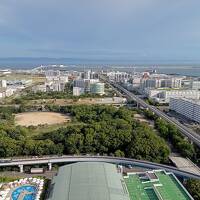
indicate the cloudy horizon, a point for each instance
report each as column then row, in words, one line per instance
column 110, row 29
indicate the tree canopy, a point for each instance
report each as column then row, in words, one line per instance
column 103, row 130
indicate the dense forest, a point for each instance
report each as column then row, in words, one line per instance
column 103, row 129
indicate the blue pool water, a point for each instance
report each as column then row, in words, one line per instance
column 29, row 190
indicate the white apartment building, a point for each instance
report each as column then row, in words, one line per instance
column 39, row 88
column 158, row 82
column 84, row 83
column 59, row 86
column 55, row 86
column 119, row 76
column 64, row 79
column 187, row 107
column 79, row 83
column 9, row 92
column 3, row 83
column 195, row 85
column 164, row 95
column 150, row 83
column 77, row 91
column 6, row 92
column 52, row 73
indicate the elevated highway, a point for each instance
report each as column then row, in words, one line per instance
column 116, row 160
column 194, row 137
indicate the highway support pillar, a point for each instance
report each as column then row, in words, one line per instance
column 50, row 166
column 21, row 168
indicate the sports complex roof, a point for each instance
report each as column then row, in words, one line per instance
column 103, row 181
column 155, row 185
column 88, row 181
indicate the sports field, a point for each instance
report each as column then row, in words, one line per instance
column 167, row 189
column 171, row 188
column 40, row 118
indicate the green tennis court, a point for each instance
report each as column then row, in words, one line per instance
column 171, row 189
column 166, row 188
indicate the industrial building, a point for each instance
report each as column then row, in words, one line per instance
column 104, row 181
column 187, row 107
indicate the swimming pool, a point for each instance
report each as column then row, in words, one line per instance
column 26, row 192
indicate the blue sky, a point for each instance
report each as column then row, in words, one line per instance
column 112, row 29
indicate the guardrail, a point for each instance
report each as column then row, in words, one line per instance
column 116, row 160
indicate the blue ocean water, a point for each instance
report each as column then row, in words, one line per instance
column 179, row 70
column 187, row 68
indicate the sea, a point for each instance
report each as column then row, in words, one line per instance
column 183, row 68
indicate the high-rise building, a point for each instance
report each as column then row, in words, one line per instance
column 79, row 83
column 97, row 88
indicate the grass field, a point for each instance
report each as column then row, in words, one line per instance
column 40, row 118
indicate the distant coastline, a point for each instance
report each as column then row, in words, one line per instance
column 185, row 67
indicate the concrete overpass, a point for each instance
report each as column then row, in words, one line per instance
column 194, row 137
column 68, row 159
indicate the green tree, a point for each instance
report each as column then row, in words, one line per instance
column 119, row 153
column 193, row 186
column 147, row 145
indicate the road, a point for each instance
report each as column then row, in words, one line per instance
column 108, row 159
column 194, row 137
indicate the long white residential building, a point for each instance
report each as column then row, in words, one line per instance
column 164, row 95
column 187, row 107
column 160, row 81
column 119, row 76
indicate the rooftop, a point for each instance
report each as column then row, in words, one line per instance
column 194, row 101
column 88, row 181
column 159, row 185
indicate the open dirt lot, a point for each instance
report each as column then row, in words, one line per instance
column 40, row 118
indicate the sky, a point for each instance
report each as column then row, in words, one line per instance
column 101, row 29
